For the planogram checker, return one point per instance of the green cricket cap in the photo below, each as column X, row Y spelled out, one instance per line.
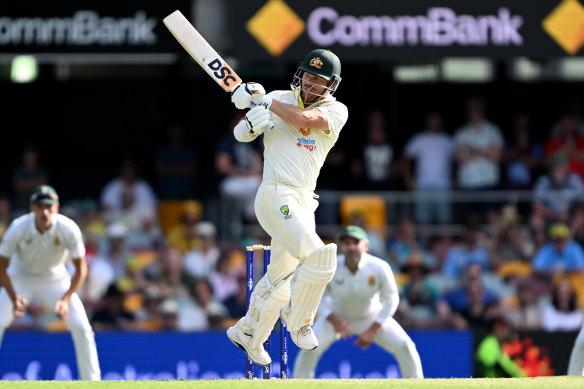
column 355, row 232
column 44, row 194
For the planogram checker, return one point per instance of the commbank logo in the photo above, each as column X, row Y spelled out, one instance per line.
column 275, row 26
column 565, row 24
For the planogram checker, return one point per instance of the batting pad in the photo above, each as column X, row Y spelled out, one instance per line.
column 308, row 284
column 264, row 308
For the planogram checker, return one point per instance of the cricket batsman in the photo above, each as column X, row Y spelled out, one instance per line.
column 361, row 299
column 33, row 255
column 300, row 126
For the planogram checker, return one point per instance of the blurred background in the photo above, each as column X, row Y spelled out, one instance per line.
column 463, row 157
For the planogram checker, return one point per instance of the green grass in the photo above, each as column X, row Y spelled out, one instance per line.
column 482, row 383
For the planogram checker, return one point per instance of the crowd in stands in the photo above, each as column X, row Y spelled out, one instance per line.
column 156, row 263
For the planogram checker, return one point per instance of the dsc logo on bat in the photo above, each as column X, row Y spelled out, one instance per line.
column 224, row 73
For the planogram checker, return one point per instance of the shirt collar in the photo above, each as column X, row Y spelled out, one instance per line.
column 49, row 232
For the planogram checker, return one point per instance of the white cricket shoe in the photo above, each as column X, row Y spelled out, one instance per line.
column 258, row 355
column 303, row 338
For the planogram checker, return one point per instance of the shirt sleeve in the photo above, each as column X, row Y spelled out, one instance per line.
column 540, row 259
column 76, row 246
column 412, row 148
column 9, row 242
column 336, row 114
column 389, row 294
column 326, row 304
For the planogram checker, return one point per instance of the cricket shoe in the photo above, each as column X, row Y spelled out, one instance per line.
column 304, row 337
column 258, row 355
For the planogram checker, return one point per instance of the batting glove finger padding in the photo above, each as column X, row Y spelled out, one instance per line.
column 244, row 94
column 258, row 119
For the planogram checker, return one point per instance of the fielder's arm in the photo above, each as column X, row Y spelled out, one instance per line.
column 304, row 118
column 18, row 302
column 62, row 306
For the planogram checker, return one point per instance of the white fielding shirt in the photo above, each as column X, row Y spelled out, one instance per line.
column 369, row 293
column 42, row 255
column 294, row 156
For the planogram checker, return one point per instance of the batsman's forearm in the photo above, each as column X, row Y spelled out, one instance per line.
column 298, row 117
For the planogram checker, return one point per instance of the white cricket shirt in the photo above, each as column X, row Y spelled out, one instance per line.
column 294, row 156
column 44, row 255
column 370, row 292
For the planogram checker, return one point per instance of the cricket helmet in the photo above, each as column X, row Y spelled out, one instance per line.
column 321, row 63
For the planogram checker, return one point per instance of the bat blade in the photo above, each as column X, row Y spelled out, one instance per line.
column 201, row 51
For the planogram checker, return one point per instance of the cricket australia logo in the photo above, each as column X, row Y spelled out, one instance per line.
column 285, row 211
column 316, row 62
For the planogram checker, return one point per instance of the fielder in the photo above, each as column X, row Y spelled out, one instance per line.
column 576, row 365
column 300, row 127
column 33, row 254
column 361, row 299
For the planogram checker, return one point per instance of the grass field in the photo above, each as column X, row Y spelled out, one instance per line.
column 482, row 383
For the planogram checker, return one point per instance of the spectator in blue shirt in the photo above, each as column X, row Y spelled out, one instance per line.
column 470, row 251
column 559, row 255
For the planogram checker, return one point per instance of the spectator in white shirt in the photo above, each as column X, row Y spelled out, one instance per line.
column 431, row 151
column 202, row 261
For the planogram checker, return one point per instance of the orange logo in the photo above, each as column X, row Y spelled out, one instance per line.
column 305, row 132
column 316, row 62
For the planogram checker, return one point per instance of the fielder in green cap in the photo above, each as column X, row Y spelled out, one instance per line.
column 300, row 126
column 361, row 299
column 34, row 253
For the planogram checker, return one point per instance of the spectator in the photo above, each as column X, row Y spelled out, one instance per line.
column 521, row 156
column 472, row 250
column 27, row 177
column 182, row 236
column 555, row 192
column 478, row 147
column 202, row 261
column 240, row 166
column 131, row 201
column 236, row 304
column 563, row 314
column 493, row 361
column 480, row 310
column 404, row 243
column 567, row 137
column 512, row 242
column 432, row 154
column 560, row 255
column 175, row 166
column 169, row 315
column 458, row 298
column 167, row 274
column 577, row 222
column 5, row 214
column 113, row 316
column 373, row 168
column 203, row 312
column 222, row 278
column 422, row 305
column 526, row 315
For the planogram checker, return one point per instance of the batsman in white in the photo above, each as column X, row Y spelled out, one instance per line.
column 300, row 126
column 33, row 255
column 361, row 299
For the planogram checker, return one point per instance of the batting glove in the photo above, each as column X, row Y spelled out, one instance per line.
column 258, row 119
column 244, row 94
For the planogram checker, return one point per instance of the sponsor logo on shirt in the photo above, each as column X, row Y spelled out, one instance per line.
column 340, row 282
column 309, row 144
column 305, row 131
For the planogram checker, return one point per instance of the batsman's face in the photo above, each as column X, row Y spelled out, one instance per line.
column 313, row 88
column 43, row 215
column 352, row 248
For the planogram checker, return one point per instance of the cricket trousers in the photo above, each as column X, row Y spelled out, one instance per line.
column 391, row 337
column 49, row 292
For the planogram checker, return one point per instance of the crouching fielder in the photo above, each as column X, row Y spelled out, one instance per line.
column 361, row 299
column 37, row 246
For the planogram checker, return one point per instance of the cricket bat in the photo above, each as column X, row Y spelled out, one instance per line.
column 201, row 51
